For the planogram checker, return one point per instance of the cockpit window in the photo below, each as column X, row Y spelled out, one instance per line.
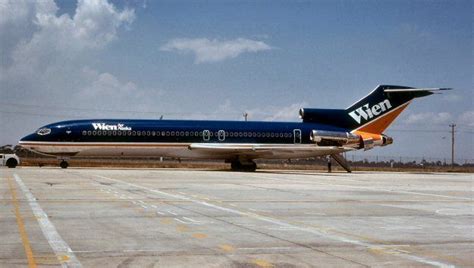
column 43, row 131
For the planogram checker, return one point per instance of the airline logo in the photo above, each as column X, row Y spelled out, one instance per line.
column 103, row 126
column 366, row 112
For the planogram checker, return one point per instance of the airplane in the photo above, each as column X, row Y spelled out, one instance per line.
column 322, row 132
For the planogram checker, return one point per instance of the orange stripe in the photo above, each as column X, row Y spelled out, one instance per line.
column 21, row 227
column 380, row 124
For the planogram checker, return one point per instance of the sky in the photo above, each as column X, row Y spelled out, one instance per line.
column 70, row 59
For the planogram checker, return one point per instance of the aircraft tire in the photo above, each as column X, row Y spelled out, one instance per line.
column 12, row 163
column 238, row 166
column 64, row 164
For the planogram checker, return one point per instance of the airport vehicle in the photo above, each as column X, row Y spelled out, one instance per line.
column 321, row 132
column 9, row 160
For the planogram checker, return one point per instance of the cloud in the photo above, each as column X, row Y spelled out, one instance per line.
column 45, row 51
column 214, row 50
column 46, row 59
column 428, row 118
column 467, row 118
column 277, row 113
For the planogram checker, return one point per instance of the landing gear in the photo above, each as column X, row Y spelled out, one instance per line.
column 341, row 161
column 64, row 164
column 247, row 166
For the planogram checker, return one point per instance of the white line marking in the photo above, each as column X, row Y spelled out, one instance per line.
column 159, row 212
column 189, row 219
column 153, row 206
column 281, row 223
column 183, row 222
column 59, row 246
column 182, row 193
column 171, row 212
column 367, row 188
column 143, row 206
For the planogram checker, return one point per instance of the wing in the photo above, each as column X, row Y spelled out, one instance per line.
column 253, row 151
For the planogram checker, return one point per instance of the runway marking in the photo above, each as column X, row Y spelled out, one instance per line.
column 21, row 227
column 200, row 235
column 367, row 188
column 171, row 212
column 59, row 246
column 308, row 229
column 166, row 221
column 262, row 263
column 182, row 228
column 181, row 221
column 226, row 248
column 191, row 220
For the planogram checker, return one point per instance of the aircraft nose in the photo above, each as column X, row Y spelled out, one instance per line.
column 27, row 138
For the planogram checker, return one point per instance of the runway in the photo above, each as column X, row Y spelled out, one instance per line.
column 77, row 217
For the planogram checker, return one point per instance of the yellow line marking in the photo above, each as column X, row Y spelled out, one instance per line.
column 21, row 227
column 182, row 228
column 227, row 248
column 166, row 221
column 262, row 263
column 199, row 235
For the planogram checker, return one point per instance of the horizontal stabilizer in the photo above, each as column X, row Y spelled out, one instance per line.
column 373, row 113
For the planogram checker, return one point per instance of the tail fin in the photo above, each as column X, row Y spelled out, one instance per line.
column 373, row 113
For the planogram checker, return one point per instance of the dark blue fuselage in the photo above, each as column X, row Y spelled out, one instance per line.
column 178, row 131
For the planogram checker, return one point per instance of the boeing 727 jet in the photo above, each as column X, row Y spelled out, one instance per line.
column 321, row 132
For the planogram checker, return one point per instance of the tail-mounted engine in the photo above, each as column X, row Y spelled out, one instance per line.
column 334, row 138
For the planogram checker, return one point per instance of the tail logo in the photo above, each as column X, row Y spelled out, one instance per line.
column 367, row 113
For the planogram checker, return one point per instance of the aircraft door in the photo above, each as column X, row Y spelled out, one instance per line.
column 221, row 135
column 206, row 135
column 297, row 136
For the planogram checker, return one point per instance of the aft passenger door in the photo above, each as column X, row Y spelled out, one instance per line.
column 297, row 136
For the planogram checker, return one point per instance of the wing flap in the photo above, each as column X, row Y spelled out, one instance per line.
column 265, row 150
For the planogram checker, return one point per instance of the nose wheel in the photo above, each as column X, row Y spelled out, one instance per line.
column 63, row 164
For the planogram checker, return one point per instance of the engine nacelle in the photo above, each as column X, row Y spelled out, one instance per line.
column 368, row 144
column 333, row 138
column 386, row 140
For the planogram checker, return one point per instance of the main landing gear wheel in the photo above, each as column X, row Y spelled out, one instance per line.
column 64, row 164
column 245, row 166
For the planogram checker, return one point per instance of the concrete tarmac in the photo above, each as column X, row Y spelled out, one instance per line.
column 51, row 217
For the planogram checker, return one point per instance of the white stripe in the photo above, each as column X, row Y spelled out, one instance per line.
column 180, row 221
column 59, row 246
column 171, row 212
column 283, row 224
column 365, row 187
